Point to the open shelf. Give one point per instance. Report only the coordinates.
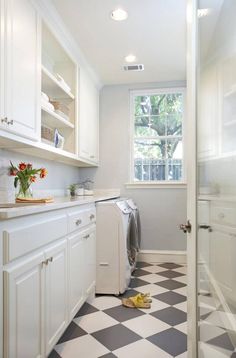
(52, 87)
(54, 120)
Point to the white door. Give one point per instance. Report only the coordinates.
(55, 293)
(22, 71)
(23, 305)
(211, 178)
(76, 262)
(90, 261)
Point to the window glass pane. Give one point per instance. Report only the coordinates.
(142, 105)
(149, 159)
(175, 169)
(144, 149)
(174, 148)
(150, 126)
(174, 124)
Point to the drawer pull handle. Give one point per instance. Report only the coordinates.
(45, 262)
(86, 237)
(10, 122)
(92, 216)
(221, 215)
(78, 222)
(50, 259)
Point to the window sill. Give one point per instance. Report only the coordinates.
(156, 185)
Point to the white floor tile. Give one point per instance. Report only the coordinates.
(105, 302)
(156, 305)
(152, 289)
(146, 325)
(141, 349)
(183, 327)
(182, 306)
(154, 269)
(182, 291)
(183, 355)
(85, 346)
(181, 269)
(95, 321)
(152, 278)
(183, 279)
(221, 319)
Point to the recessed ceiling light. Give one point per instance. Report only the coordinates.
(130, 58)
(203, 12)
(119, 15)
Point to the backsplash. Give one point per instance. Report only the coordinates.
(56, 182)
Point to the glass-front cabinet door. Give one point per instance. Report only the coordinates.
(216, 143)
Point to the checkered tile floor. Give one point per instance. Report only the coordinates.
(216, 337)
(105, 328)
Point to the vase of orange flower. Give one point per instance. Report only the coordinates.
(25, 175)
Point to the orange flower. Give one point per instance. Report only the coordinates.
(22, 166)
(33, 179)
(43, 173)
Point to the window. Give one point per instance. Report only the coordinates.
(157, 123)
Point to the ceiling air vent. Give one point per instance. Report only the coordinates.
(133, 67)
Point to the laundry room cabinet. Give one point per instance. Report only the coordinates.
(20, 68)
(48, 273)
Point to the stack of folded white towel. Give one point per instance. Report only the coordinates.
(45, 102)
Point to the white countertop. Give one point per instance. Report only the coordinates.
(59, 203)
(217, 197)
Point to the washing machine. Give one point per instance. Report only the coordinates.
(113, 269)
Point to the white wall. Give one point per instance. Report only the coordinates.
(58, 178)
(162, 210)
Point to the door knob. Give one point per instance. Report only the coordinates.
(186, 227)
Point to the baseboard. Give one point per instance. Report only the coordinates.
(161, 256)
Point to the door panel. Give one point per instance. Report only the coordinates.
(216, 141)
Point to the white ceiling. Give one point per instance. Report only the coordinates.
(155, 32)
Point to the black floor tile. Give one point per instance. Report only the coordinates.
(137, 282)
(72, 331)
(170, 265)
(171, 316)
(108, 355)
(141, 264)
(86, 309)
(171, 341)
(171, 284)
(140, 272)
(170, 274)
(116, 337)
(54, 354)
(171, 298)
(121, 313)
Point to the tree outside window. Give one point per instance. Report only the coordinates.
(158, 136)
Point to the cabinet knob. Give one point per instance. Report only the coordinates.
(50, 259)
(86, 237)
(10, 122)
(78, 222)
(45, 262)
(92, 156)
(92, 216)
(4, 120)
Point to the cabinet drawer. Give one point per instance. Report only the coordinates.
(24, 236)
(82, 217)
(224, 214)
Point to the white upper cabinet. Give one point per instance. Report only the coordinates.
(20, 83)
(88, 119)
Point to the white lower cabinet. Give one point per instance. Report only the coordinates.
(90, 262)
(43, 290)
(76, 273)
(22, 308)
(55, 294)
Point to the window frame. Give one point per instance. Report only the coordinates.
(155, 183)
